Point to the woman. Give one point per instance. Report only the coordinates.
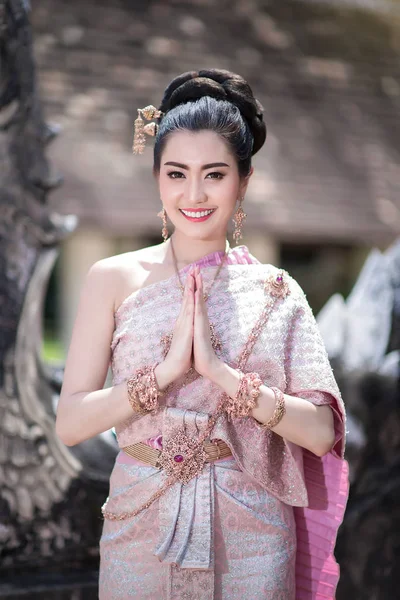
(230, 481)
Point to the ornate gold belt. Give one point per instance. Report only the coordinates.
(214, 450)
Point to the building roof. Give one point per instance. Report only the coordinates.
(327, 74)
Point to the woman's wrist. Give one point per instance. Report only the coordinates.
(165, 374)
(224, 376)
(229, 380)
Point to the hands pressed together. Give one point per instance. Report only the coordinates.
(305, 424)
(191, 343)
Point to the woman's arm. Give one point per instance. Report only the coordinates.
(304, 423)
(85, 409)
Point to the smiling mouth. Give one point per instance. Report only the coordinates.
(198, 215)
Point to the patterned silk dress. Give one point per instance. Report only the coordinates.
(259, 525)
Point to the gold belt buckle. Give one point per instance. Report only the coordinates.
(213, 442)
(152, 456)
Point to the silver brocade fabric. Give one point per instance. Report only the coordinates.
(246, 501)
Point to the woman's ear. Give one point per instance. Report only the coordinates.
(245, 182)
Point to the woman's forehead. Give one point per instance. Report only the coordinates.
(196, 146)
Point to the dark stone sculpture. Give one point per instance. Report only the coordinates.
(368, 547)
(50, 495)
(362, 338)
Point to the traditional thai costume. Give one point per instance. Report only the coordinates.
(261, 523)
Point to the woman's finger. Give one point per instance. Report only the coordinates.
(189, 279)
(191, 292)
(189, 295)
(197, 293)
(197, 301)
(187, 298)
(199, 285)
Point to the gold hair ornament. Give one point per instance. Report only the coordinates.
(139, 138)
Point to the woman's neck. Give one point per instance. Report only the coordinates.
(188, 250)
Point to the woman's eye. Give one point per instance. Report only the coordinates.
(218, 175)
(179, 175)
(172, 174)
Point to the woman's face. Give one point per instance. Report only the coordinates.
(199, 183)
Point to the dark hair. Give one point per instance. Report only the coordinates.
(216, 100)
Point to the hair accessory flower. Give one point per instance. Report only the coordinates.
(277, 285)
(139, 138)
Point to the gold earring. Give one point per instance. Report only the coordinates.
(163, 215)
(238, 219)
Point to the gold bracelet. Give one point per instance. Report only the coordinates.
(143, 392)
(279, 412)
(246, 396)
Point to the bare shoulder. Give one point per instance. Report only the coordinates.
(127, 272)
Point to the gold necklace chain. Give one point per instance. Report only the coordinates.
(181, 286)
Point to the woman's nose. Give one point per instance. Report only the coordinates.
(195, 191)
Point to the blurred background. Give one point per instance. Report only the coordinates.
(323, 203)
(326, 184)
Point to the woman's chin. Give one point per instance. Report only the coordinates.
(201, 236)
(201, 231)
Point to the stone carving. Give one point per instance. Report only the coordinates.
(50, 495)
(363, 340)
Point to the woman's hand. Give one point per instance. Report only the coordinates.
(205, 359)
(191, 342)
(180, 355)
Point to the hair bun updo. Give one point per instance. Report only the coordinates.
(220, 85)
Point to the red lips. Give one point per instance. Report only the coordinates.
(197, 219)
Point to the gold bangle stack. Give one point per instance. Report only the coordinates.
(279, 412)
(143, 392)
(246, 396)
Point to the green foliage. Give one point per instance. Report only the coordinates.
(52, 349)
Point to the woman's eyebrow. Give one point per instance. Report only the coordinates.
(209, 166)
